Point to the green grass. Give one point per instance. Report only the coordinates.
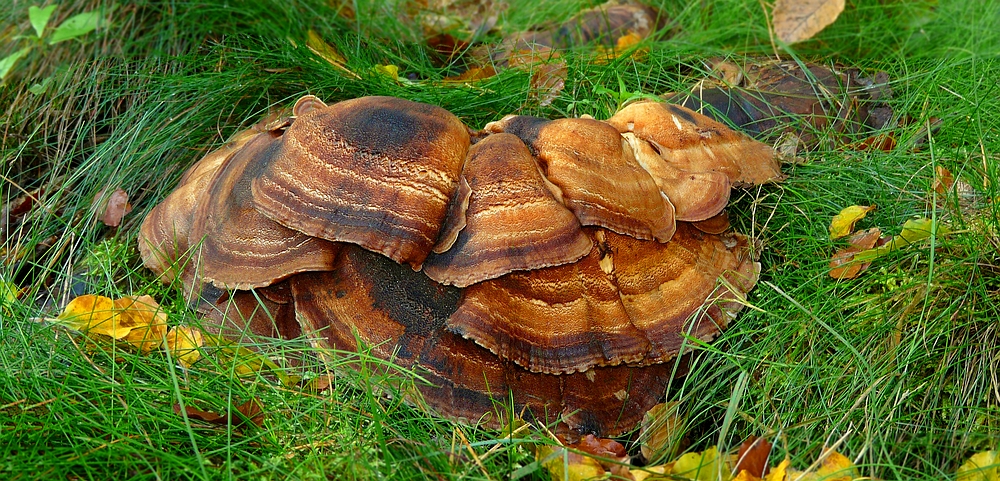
(899, 366)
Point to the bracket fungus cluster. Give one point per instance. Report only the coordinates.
(557, 264)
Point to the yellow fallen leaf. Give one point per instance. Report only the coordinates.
(146, 321)
(984, 466)
(9, 292)
(836, 467)
(778, 472)
(390, 71)
(843, 223)
(327, 52)
(661, 431)
(745, 475)
(567, 465)
(650, 472)
(94, 315)
(707, 465)
(183, 343)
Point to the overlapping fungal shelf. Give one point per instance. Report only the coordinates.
(558, 263)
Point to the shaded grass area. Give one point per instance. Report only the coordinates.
(897, 368)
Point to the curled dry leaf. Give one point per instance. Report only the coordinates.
(835, 467)
(708, 465)
(327, 52)
(147, 322)
(113, 208)
(183, 343)
(94, 315)
(779, 471)
(914, 230)
(9, 292)
(843, 223)
(798, 20)
(943, 180)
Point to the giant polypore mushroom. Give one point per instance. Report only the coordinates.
(545, 264)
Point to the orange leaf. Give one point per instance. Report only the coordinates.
(146, 321)
(93, 315)
(836, 467)
(753, 456)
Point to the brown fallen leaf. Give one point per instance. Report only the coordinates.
(843, 266)
(943, 180)
(113, 208)
(822, 105)
(753, 456)
(798, 20)
(251, 411)
(843, 223)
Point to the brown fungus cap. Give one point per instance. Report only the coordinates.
(375, 171)
(400, 315)
(600, 180)
(511, 220)
(163, 236)
(266, 312)
(695, 143)
(686, 287)
(695, 195)
(629, 301)
(236, 246)
(561, 319)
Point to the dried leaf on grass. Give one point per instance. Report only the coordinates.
(707, 465)
(327, 52)
(111, 209)
(843, 223)
(753, 456)
(9, 292)
(835, 467)
(251, 412)
(564, 464)
(798, 20)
